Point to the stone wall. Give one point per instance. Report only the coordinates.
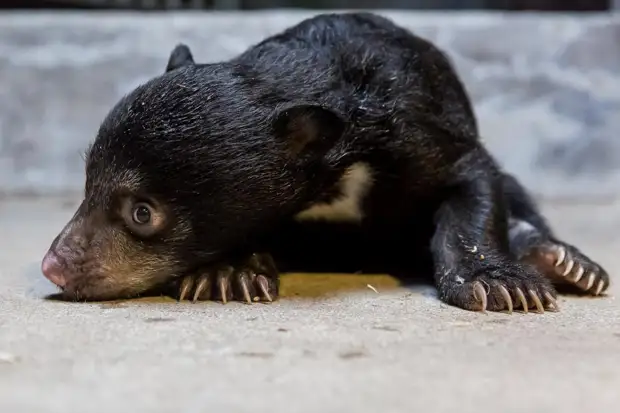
(546, 87)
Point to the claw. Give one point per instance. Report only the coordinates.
(569, 267)
(186, 284)
(537, 301)
(223, 289)
(552, 300)
(243, 281)
(480, 295)
(522, 299)
(263, 284)
(504, 292)
(591, 277)
(599, 287)
(201, 287)
(579, 274)
(561, 257)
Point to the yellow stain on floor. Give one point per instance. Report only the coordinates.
(297, 285)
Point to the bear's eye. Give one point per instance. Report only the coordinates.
(141, 213)
(143, 218)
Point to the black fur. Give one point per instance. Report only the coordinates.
(237, 148)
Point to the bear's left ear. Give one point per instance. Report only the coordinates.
(180, 56)
(308, 128)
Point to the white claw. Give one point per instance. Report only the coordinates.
(579, 274)
(245, 290)
(599, 287)
(539, 306)
(590, 281)
(186, 284)
(522, 299)
(561, 257)
(223, 290)
(200, 288)
(506, 296)
(552, 300)
(263, 285)
(480, 295)
(569, 267)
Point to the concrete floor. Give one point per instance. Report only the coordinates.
(396, 351)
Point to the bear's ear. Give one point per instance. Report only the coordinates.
(308, 128)
(180, 56)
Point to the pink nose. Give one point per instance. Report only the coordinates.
(53, 269)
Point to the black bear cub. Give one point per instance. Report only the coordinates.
(211, 178)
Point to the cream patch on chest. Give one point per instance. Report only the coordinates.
(354, 185)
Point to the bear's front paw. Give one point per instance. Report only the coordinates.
(251, 280)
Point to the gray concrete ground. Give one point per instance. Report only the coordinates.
(400, 351)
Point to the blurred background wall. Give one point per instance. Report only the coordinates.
(549, 5)
(545, 83)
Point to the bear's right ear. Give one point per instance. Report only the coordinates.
(308, 129)
(179, 57)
